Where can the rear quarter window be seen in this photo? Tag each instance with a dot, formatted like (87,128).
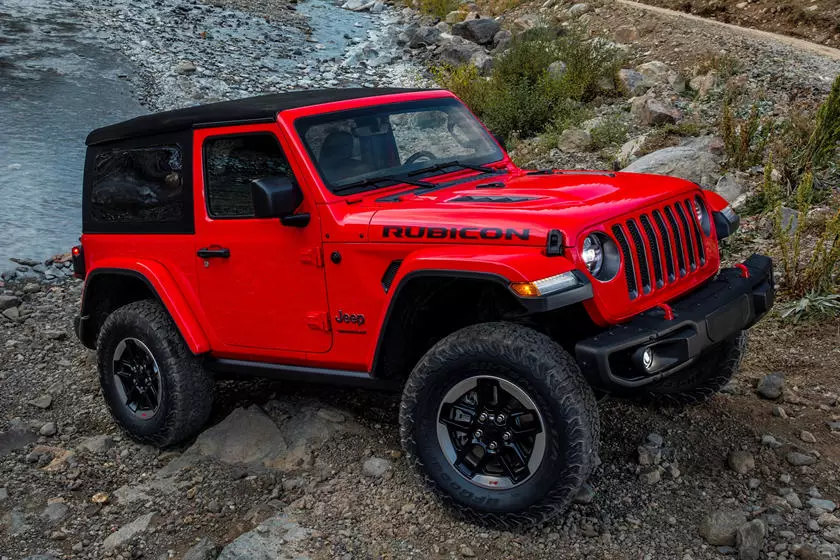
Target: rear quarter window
(139,185)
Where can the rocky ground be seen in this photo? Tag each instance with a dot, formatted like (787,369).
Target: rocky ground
(296,471)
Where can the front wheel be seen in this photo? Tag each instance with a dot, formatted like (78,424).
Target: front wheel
(500,424)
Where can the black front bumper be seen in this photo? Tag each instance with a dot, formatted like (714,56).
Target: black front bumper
(733,301)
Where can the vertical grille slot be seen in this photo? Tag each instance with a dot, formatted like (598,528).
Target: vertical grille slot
(678,242)
(627,258)
(701,250)
(641,255)
(653,242)
(692,259)
(668,246)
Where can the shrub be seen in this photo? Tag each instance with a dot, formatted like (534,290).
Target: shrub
(803,275)
(744,139)
(520,96)
(825,139)
(437,8)
(610,132)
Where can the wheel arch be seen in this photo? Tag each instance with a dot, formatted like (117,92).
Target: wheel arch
(112,286)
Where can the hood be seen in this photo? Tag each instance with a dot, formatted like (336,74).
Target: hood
(518,209)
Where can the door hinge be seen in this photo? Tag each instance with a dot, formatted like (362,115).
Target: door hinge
(319,321)
(312,256)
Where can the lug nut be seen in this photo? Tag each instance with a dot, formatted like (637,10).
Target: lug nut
(506,436)
(493,445)
(482,417)
(478,434)
(500,419)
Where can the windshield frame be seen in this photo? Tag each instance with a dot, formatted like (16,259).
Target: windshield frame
(302,125)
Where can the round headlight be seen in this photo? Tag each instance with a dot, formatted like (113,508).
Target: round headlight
(592,254)
(702,215)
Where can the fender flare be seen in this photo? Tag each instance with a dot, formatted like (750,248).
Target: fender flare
(161,283)
(501,268)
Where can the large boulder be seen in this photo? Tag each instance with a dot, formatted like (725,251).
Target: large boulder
(457,51)
(633,83)
(720,527)
(422,36)
(651,111)
(479,31)
(697,160)
(733,189)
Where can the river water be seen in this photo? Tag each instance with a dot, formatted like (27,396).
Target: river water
(67,67)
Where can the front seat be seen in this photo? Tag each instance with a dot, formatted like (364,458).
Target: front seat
(336,157)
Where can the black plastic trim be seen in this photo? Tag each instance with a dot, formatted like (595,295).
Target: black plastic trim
(245,368)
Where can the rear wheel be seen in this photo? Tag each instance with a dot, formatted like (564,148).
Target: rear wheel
(155,388)
(500,424)
(699,382)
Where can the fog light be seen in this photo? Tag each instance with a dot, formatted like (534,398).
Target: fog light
(647,358)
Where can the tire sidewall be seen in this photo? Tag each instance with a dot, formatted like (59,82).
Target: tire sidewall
(558,425)
(134,326)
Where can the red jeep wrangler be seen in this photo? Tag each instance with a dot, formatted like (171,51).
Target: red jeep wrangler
(384,237)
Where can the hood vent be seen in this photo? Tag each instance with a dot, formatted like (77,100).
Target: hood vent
(496,199)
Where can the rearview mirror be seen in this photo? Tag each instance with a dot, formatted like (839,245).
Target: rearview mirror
(278,197)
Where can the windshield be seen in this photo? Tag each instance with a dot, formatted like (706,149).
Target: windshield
(352,149)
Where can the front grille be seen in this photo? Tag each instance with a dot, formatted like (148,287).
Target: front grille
(660,247)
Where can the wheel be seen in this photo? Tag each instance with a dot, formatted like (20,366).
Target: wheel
(500,424)
(699,382)
(155,388)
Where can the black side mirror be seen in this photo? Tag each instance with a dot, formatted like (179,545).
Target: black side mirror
(500,140)
(278,197)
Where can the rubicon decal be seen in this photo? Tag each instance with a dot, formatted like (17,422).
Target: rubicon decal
(439,232)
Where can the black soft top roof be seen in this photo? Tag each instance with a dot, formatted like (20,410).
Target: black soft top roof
(251,109)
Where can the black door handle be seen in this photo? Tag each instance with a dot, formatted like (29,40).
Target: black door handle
(215,252)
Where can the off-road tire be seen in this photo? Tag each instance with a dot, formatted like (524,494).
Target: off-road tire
(550,377)
(187,390)
(699,382)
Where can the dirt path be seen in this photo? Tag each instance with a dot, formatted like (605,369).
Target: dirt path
(794,42)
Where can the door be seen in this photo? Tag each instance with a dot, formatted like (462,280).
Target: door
(262,284)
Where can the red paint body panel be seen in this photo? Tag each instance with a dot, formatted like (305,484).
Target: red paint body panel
(267,300)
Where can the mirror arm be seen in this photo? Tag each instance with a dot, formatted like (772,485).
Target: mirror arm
(295,220)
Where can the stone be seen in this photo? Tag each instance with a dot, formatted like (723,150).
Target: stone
(204,549)
(741,462)
(482,61)
(276,538)
(719,528)
(771,385)
(457,51)
(652,112)
(96,444)
(732,189)
(834,426)
(626,34)
(16,437)
(649,454)
(832,535)
(578,10)
(12,313)
(7,302)
(798,459)
(358,5)
(703,85)
(632,83)
(556,69)
(630,150)
(779,412)
(127,532)
(793,499)
(55,512)
(750,539)
(455,16)
(501,40)
(422,36)
(185,67)
(694,160)
(655,71)
(574,140)
(651,476)
(480,31)
(43,401)
(677,81)
(826,519)
(807,437)
(466,551)
(753,483)
(378,7)
(14,523)
(246,437)
(526,22)
(376,467)
(48,429)
(827,505)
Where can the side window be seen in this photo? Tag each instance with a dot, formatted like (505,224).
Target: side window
(231,163)
(139,185)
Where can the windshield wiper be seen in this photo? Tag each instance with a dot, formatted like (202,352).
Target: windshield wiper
(373,181)
(453,163)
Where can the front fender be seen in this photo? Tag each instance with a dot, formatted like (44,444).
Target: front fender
(160,282)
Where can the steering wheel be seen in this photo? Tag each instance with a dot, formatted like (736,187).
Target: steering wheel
(418,155)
